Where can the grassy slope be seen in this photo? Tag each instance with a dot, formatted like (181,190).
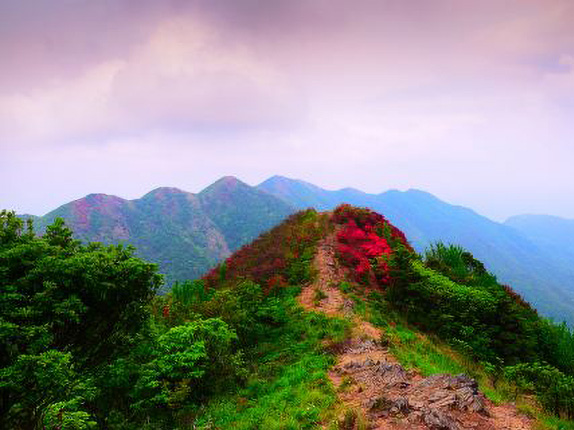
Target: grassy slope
(288,386)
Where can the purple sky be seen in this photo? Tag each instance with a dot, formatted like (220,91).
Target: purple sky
(472,101)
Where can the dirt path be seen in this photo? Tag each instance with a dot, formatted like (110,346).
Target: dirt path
(371,381)
(329,275)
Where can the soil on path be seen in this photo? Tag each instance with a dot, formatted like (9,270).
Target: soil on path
(370,380)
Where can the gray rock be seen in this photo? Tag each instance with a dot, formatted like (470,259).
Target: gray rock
(385,407)
(393,374)
(353,365)
(437,420)
(459,391)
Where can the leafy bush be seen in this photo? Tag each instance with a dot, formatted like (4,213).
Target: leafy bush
(189,362)
(38,385)
(554,389)
(484,321)
(66,309)
(67,416)
(190,293)
(457,264)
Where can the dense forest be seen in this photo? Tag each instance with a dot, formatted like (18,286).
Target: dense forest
(86,342)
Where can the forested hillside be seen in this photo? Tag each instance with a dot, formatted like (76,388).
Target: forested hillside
(329,320)
(185,234)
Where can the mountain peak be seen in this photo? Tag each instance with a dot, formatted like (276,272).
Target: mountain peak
(163,192)
(278,179)
(285,180)
(351,190)
(99,200)
(225,184)
(278,182)
(410,193)
(275,178)
(101,196)
(228,180)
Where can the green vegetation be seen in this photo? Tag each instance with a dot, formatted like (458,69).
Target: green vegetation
(318,296)
(452,295)
(353,419)
(287,386)
(66,310)
(86,343)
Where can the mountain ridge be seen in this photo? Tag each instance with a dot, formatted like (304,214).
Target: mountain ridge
(540,273)
(187,233)
(352,264)
(183,232)
(328,320)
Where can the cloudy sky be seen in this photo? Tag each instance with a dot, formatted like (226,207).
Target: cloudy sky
(472,101)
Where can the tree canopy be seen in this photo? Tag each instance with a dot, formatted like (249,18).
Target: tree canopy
(65,308)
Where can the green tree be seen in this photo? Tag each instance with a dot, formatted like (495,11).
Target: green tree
(189,362)
(64,307)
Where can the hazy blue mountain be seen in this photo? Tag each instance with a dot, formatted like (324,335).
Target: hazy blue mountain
(185,233)
(541,275)
(548,231)
(305,195)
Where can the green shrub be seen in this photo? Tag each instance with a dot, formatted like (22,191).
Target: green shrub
(189,362)
(66,311)
(554,389)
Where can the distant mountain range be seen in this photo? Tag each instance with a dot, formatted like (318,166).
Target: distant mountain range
(186,233)
(553,233)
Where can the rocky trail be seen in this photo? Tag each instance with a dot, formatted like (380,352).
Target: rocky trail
(370,380)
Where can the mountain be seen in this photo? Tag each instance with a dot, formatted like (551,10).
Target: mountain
(540,273)
(185,233)
(305,195)
(547,231)
(239,211)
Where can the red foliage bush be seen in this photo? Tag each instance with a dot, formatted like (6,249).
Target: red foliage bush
(366,242)
(275,283)
(266,260)
(518,298)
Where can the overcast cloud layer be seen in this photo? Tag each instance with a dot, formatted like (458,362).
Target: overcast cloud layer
(472,101)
